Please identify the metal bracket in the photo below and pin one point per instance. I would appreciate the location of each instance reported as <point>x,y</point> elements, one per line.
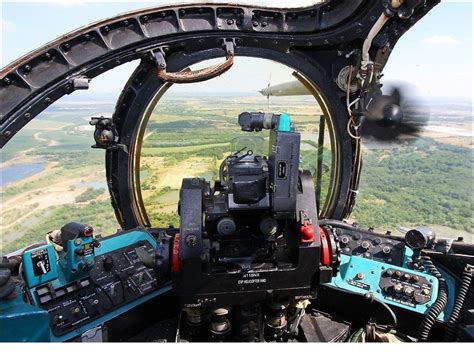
<point>159,58</point>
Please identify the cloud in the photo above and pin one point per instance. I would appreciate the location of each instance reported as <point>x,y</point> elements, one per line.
<point>442,40</point>
<point>8,26</point>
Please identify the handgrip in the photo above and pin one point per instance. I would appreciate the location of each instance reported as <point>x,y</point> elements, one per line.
<point>194,76</point>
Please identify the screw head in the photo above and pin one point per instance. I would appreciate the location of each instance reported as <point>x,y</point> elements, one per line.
<point>191,240</point>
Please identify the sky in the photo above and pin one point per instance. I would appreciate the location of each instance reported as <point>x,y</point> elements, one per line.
<point>435,55</point>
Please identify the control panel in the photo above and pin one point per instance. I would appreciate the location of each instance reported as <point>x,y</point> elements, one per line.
<point>39,265</point>
<point>394,285</point>
<point>118,276</point>
<point>371,246</point>
<point>405,287</point>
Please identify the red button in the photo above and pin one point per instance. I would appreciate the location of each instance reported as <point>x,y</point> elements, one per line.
<point>307,232</point>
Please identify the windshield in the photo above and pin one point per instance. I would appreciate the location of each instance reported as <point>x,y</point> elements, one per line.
<point>50,175</point>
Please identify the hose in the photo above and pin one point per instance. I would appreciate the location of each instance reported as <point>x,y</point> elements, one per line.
<point>451,327</point>
<point>340,224</point>
<point>438,306</point>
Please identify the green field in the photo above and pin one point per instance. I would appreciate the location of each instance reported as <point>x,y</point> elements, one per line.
<point>418,182</point>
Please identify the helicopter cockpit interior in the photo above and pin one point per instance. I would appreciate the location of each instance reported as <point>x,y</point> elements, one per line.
<point>234,226</point>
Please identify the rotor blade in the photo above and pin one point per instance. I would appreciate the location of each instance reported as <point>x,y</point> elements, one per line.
<point>402,114</point>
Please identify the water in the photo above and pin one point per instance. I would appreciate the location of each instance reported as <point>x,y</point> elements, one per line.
<point>94,184</point>
<point>14,173</point>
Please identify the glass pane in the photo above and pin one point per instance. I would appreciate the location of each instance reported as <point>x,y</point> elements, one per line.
<point>422,181</point>
<point>195,126</point>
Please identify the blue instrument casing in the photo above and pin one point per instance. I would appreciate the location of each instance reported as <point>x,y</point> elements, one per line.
<point>34,273</point>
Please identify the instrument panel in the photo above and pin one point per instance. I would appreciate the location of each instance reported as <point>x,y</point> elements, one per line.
<point>123,275</point>
<point>377,264</point>
<point>118,277</point>
<point>371,246</point>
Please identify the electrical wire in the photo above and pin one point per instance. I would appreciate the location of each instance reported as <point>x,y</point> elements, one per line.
<point>341,224</point>
<point>438,306</point>
<point>351,124</point>
<point>464,288</point>
<point>372,299</point>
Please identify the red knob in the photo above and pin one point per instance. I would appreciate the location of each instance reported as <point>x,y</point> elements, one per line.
<point>307,232</point>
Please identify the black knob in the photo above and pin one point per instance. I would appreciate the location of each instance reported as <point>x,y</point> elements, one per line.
<point>108,263</point>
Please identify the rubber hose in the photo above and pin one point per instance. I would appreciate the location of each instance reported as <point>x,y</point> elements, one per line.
<point>451,327</point>
<point>438,306</point>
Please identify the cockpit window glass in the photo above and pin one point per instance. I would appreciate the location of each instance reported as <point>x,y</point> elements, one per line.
<point>426,179</point>
<point>195,126</point>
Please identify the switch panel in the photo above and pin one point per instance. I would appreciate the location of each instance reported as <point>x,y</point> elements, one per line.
<point>117,278</point>
<point>39,265</point>
<point>396,286</point>
<point>405,288</point>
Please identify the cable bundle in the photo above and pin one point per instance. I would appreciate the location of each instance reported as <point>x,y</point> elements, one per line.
<point>451,327</point>
<point>438,306</point>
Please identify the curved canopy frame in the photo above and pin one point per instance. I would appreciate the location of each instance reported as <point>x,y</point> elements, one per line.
<point>33,82</point>
<point>318,41</point>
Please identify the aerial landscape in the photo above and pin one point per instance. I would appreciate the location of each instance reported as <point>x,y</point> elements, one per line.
<point>50,175</point>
